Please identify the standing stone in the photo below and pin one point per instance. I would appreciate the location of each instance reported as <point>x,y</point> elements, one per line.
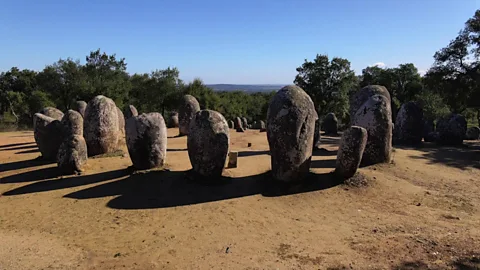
<point>350,152</point>
<point>451,129</point>
<point>72,123</point>
<point>48,135</point>
<point>290,131</point>
<point>330,124</point>
<point>80,107</point>
<point>101,126</point>
<point>52,112</point>
<point>130,111</point>
<point>208,143</point>
<point>473,133</point>
<point>238,123</point>
<point>173,120</point>
<point>146,136</point>
<point>230,124</point>
<point>409,124</point>
<point>259,125</point>
<point>376,117</point>
<point>186,112</point>
<point>72,154</point>
<point>317,136</point>
<point>244,123</point>
<point>428,130</point>
<point>360,97</point>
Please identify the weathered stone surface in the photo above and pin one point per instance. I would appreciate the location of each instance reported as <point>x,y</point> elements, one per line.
<point>52,112</point>
<point>48,134</point>
<point>376,117</point>
<point>188,108</point>
<point>360,97</point>
<point>208,143</point>
<point>409,124</point>
<point>101,126</point>
<point>244,123</point>
<point>428,128</point>
<point>146,136</point>
<point>130,111</point>
<point>259,125</point>
<point>473,133</point>
<point>173,120</point>
<point>290,131</point>
<point>317,136</point>
<point>121,121</point>
<point>330,124</point>
<point>72,123</point>
<point>451,129</point>
<point>238,123</point>
<point>231,124</point>
<point>72,155</point>
<point>80,107</point>
<point>240,129</point>
<point>350,152</point>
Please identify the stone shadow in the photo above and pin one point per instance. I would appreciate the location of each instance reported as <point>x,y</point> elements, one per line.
<point>14,144</point>
<point>20,148</point>
<point>23,164</point>
<point>462,157</point>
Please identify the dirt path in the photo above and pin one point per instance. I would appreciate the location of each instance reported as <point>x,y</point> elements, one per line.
<point>421,212</point>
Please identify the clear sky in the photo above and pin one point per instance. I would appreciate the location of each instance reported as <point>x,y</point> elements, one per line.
<point>226,41</point>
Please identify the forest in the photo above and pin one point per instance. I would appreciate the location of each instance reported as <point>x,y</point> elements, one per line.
<point>451,85</point>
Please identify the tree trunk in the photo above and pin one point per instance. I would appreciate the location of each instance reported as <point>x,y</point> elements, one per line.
<point>13,111</point>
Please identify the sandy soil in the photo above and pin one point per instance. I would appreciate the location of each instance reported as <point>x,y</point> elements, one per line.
<point>420,212</point>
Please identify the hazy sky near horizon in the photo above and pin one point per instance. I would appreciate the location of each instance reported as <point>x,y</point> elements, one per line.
<point>224,41</point>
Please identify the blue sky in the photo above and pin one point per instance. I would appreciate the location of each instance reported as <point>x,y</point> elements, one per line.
<point>246,42</point>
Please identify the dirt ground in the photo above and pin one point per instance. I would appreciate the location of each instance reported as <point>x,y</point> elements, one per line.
<point>420,212</point>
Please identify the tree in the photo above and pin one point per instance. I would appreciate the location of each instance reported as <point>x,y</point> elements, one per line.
<point>65,81</point>
<point>106,75</point>
<point>455,74</point>
<point>328,83</point>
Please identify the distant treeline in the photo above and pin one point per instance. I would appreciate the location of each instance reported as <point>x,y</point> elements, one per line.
<point>452,84</point>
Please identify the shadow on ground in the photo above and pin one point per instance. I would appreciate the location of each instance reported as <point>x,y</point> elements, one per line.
<point>36,150</point>
<point>19,147</point>
<point>252,153</point>
<point>462,157</point>
<point>18,165</point>
<point>14,144</point>
<point>56,184</point>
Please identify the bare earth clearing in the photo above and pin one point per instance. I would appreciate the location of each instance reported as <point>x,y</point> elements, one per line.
<point>421,212</point>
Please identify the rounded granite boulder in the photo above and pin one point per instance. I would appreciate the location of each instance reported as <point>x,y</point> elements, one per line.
<point>375,116</point>
<point>188,108</point>
<point>350,151</point>
<point>473,133</point>
<point>129,111</point>
<point>48,134</point>
<point>52,112</point>
<point>451,129</point>
<point>361,96</point>
<point>146,136</point>
<point>72,155</point>
<point>208,144</point>
<point>330,124</point>
<point>80,107</point>
<point>409,124</point>
<point>290,132</point>
<point>101,126</point>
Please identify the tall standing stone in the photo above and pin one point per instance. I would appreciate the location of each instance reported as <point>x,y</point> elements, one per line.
<point>317,135</point>
<point>47,133</point>
<point>350,152</point>
<point>101,126</point>
<point>188,108</point>
<point>375,116</point>
<point>52,112</point>
<point>208,143</point>
<point>428,130</point>
<point>80,107</point>
<point>121,121</point>
<point>360,97</point>
<point>259,124</point>
<point>72,154</point>
<point>173,120</point>
<point>238,123</point>
<point>130,111</point>
<point>409,124</point>
<point>230,124</point>
<point>244,123</point>
<point>330,124</point>
<point>473,133</point>
<point>451,129</point>
<point>146,136</point>
<point>290,130</point>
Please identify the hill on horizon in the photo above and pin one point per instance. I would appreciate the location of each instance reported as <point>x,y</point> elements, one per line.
<point>246,87</point>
